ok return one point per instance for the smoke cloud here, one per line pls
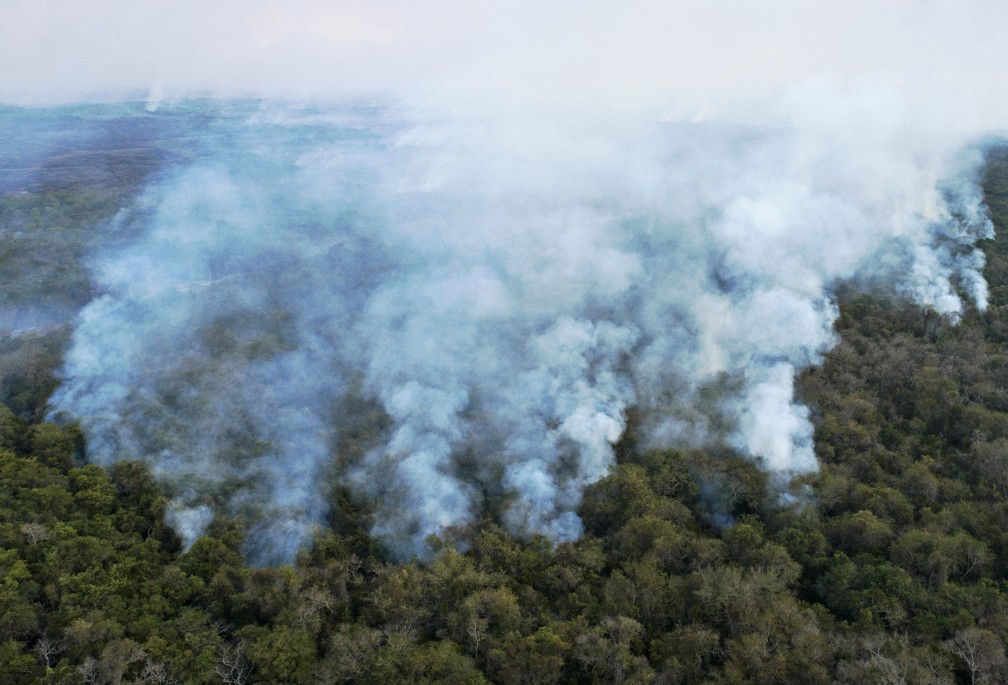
(498, 292)
(497, 229)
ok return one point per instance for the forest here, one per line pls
(889, 564)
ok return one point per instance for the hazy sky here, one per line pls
(948, 59)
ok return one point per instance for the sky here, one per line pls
(940, 63)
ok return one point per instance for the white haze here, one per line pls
(559, 213)
(936, 61)
(504, 291)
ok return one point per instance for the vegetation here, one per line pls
(889, 565)
(47, 231)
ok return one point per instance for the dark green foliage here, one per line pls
(28, 370)
(887, 565)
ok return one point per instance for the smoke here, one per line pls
(502, 290)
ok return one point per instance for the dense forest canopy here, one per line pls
(885, 564)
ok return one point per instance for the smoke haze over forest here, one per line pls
(497, 263)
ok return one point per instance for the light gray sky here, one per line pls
(939, 60)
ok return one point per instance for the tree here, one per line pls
(47, 649)
(232, 666)
(17, 666)
(610, 651)
(279, 655)
(981, 652)
(349, 655)
(17, 615)
(55, 446)
(536, 659)
(685, 653)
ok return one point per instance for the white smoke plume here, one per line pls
(504, 289)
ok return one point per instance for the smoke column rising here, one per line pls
(504, 289)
